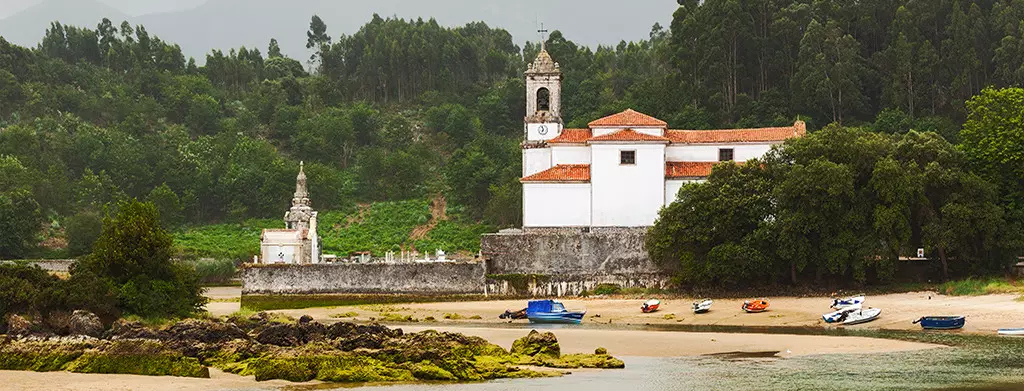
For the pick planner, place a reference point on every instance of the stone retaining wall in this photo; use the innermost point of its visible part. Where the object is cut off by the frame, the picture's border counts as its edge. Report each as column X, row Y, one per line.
column 386, row 278
column 50, row 265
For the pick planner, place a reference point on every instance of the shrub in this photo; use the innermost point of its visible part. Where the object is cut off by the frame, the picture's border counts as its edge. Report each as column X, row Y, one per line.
column 215, row 271
column 133, row 256
column 82, row 230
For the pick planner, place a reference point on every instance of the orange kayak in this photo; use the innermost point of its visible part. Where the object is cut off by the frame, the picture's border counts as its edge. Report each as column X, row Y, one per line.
column 759, row 305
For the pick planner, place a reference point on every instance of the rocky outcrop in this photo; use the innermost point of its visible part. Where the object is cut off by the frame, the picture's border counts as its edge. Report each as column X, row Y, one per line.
column 85, row 323
column 537, row 344
column 269, row 347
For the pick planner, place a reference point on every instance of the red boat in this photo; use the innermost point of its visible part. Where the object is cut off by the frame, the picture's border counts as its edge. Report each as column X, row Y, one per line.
column 759, row 305
column 650, row 306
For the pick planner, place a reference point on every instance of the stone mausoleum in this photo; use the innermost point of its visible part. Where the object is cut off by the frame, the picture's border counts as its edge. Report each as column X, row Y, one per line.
column 298, row 242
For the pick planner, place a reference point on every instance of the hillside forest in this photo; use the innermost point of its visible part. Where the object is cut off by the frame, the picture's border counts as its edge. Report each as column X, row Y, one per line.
column 403, row 115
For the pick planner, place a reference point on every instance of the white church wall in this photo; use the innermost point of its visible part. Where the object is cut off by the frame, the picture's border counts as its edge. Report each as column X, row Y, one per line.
column 271, row 253
column 627, row 195
column 556, row 204
column 536, row 160
column 603, row 130
column 543, row 131
column 709, row 152
column 672, row 187
column 570, row 155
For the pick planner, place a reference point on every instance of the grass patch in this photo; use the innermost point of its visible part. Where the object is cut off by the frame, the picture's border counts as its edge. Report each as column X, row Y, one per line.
column 980, row 286
column 454, row 317
column 393, row 317
column 350, row 314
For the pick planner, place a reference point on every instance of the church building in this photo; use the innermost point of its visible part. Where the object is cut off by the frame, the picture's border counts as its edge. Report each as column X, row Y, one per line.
column 298, row 242
column 623, row 168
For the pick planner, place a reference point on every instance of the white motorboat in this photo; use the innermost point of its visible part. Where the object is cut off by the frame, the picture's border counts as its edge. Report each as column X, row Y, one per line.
column 1017, row 331
column 702, row 306
column 833, row 317
column 860, row 316
column 847, row 302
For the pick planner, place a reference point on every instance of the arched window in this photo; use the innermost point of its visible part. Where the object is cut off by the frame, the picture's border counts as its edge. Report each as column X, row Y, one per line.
column 543, row 99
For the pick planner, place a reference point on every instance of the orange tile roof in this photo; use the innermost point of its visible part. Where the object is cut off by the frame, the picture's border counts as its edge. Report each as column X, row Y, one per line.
column 572, row 136
column 688, row 169
column 562, row 173
column 629, row 117
column 629, row 135
column 737, row 135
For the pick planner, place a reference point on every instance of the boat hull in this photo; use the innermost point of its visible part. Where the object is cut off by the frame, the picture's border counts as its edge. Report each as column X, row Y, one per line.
column 862, row 316
column 557, row 317
column 1011, row 331
column 942, row 322
column 756, row 306
column 702, row 306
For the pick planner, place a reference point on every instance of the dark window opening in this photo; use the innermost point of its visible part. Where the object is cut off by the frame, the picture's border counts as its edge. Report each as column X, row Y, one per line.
column 627, row 157
column 725, row 155
column 543, row 99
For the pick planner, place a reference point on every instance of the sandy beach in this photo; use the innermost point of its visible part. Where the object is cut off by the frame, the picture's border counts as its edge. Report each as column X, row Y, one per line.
column 985, row 314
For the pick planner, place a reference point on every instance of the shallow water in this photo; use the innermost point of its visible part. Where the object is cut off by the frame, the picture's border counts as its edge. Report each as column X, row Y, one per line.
column 934, row 369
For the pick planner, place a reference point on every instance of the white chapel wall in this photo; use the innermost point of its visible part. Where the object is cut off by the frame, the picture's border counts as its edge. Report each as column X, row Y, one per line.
column 672, row 187
column 627, row 195
column 577, row 154
column 709, row 152
column 536, row 160
column 556, row 204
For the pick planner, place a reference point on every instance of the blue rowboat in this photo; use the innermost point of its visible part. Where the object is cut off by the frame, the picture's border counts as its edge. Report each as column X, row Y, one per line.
column 552, row 311
column 942, row 322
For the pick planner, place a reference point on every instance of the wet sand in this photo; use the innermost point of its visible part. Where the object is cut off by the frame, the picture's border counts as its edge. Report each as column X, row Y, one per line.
column 635, row 343
column 61, row 381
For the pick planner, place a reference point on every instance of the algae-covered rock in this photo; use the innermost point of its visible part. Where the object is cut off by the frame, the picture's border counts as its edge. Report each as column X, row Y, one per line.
column 537, row 344
column 136, row 357
column 18, row 325
column 85, row 323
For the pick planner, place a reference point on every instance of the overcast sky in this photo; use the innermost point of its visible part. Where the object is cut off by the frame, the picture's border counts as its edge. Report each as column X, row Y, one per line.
column 201, row 25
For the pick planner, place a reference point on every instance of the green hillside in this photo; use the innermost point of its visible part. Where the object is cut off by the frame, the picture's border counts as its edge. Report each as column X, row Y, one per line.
column 379, row 227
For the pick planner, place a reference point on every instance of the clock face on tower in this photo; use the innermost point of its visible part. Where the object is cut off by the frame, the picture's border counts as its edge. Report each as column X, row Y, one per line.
column 542, row 130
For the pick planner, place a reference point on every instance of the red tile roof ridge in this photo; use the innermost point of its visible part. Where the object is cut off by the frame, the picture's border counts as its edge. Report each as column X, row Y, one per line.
column 629, row 135
column 572, row 136
column 688, row 169
column 782, row 133
column 629, row 117
column 572, row 173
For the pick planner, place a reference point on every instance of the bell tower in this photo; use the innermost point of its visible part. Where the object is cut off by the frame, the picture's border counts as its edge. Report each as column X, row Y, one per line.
column 543, row 97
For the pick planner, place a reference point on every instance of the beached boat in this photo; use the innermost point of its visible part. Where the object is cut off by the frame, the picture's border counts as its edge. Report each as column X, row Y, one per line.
column 650, row 306
column 752, row 306
column 859, row 316
column 942, row 322
column 840, row 303
column 1018, row 331
column 702, row 306
column 833, row 317
column 551, row 311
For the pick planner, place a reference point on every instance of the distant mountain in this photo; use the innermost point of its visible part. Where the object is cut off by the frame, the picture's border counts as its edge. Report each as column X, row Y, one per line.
column 27, row 27
column 226, row 24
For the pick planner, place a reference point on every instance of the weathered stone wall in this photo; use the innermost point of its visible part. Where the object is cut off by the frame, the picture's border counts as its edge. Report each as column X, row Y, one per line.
column 568, row 261
column 405, row 278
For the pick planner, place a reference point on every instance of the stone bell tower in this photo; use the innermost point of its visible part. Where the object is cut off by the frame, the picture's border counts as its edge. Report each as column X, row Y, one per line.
column 299, row 215
column 543, row 98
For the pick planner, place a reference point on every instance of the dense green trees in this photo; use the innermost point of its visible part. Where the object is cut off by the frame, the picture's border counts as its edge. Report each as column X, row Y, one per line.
column 839, row 204
column 408, row 108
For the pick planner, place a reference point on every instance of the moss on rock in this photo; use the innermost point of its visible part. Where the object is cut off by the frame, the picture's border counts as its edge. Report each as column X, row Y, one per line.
column 136, row 357
column 537, row 344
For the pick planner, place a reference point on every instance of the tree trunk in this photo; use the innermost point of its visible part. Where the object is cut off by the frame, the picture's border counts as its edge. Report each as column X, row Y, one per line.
column 792, row 272
column 945, row 263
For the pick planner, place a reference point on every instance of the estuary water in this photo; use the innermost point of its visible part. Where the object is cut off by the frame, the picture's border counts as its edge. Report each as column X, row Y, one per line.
column 935, row 369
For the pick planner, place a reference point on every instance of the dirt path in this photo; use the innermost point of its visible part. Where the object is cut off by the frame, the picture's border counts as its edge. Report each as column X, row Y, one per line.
column 438, row 213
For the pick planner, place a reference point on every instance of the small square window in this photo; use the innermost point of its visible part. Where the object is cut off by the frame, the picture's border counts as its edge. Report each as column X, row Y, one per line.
column 725, row 155
column 627, row 157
